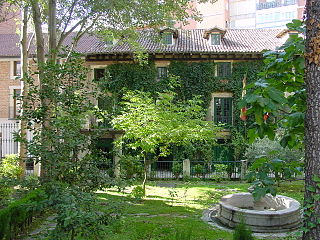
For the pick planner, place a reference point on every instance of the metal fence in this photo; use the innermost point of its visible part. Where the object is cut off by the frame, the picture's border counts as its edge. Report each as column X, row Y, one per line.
column 198, row 169
column 216, row 169
column 162, row 169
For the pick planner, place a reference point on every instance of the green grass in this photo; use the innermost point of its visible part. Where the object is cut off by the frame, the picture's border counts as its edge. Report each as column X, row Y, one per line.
column 161, row 216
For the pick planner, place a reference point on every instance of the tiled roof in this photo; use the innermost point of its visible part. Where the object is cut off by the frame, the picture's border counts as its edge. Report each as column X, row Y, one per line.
column 188, row 41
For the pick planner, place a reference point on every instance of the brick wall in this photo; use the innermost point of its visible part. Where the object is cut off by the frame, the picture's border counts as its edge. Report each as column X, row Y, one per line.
column 6, row 81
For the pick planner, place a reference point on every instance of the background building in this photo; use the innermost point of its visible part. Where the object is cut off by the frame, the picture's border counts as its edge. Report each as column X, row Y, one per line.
column 276, row 14
column 213, row 14
column 247, row 14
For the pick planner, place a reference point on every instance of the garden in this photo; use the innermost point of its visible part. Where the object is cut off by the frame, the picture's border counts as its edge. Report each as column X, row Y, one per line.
column 83, row 193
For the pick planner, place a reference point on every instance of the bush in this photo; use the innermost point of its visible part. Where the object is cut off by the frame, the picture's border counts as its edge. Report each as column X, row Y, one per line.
column 5, row 192
column 138, row 192
column 9, row 167
column 242, row 232
column 272, row 149
column 14, row 217
column 130, row 167
column 198, row 170
column 80, row 215
column 220, row 171
column 177, row 168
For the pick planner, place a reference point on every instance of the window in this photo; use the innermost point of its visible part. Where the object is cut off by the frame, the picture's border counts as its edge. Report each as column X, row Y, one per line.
column 223, row 69
column 223, row 110
column 109, row 39
column 99, row 73
column 167, row 38
column 215, row 39
column 16, row 103
column 16, row 68
column 162, row 73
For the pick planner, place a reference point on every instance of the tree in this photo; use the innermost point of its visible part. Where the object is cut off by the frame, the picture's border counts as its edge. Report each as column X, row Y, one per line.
column 312, row 130
column 153, row 125
column 277, row 99
column 288, row 92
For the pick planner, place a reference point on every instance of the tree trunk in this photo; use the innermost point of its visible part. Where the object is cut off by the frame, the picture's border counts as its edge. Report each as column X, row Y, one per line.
column 146, row 169
column 24, row 87
column 45, row 103
column 312, row 122
column 52, row 26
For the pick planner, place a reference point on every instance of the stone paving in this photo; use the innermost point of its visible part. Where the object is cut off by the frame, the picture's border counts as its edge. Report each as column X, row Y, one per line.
column 48, row 225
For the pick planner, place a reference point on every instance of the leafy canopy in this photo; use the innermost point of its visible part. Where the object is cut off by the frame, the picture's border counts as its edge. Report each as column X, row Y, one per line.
column 151, row 124
column 280, row 92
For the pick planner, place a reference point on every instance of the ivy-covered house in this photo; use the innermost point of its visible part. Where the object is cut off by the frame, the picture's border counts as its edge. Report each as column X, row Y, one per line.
column 211, row 63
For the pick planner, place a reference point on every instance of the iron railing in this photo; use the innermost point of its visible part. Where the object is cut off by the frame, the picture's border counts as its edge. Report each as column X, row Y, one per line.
column 198, row 169
column 7, row 141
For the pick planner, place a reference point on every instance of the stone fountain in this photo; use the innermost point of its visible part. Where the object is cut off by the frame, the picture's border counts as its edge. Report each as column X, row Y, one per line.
column 268, row 215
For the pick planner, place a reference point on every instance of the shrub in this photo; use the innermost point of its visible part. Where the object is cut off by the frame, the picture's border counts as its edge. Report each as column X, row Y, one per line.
column 220, row 171
column 5, row 192
column 177, row 169
column 198, row 170
column 242, row 232
column 272, row 149
column 80, row 215
column 130, row 167
column 138, row 192
column 9, row 167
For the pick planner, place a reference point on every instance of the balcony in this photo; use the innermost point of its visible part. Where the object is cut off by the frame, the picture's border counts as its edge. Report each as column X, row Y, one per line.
column 275, row 4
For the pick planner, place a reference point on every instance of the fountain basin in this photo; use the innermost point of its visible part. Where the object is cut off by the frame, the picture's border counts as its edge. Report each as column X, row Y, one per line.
column 279, row 214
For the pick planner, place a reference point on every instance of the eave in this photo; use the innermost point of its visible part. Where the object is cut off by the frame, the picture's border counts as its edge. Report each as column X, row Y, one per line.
column 176, row 56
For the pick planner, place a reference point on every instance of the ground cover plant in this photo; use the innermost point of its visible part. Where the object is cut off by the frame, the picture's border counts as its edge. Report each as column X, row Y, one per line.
column 162, row 215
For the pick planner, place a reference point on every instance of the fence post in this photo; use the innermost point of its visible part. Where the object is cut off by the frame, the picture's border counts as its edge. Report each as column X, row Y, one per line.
column 244, row 166
column 37, row 169
column 116, row 158
column 186, row 168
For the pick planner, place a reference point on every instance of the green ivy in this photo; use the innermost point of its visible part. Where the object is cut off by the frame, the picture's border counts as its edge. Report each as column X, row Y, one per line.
column 195, row 78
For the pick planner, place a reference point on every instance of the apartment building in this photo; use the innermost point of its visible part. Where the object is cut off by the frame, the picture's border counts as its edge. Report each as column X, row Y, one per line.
column 276, row 14
column 213, row 14
column 247, row 14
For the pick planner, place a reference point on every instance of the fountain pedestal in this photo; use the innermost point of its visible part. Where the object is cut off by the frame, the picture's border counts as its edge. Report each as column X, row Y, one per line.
column 275, row 214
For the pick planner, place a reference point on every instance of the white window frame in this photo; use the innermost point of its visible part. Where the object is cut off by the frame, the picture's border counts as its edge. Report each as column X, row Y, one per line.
column 222, row 61
column 172, row 39
column 11, row 101
column 11, row 74
column 210, row 39
column 210, row 113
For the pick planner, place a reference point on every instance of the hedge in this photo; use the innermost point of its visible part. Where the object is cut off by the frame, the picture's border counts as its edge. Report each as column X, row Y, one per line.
column 19, row 213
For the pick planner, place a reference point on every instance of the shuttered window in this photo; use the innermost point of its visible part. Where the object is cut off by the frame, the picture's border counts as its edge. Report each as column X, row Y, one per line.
column 223, row 69
column 223, row 111
column 162, row 73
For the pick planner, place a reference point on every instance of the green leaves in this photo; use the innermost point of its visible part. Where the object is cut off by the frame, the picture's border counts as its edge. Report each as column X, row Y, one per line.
column 266, row 172
column 280, row 92
column 276, row 95
column 149, row 123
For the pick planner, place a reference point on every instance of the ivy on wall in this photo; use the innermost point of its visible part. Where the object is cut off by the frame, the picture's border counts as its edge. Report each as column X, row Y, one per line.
column 196, row 78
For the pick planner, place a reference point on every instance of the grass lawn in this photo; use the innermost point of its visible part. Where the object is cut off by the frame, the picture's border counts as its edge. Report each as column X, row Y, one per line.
column 174, row 208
